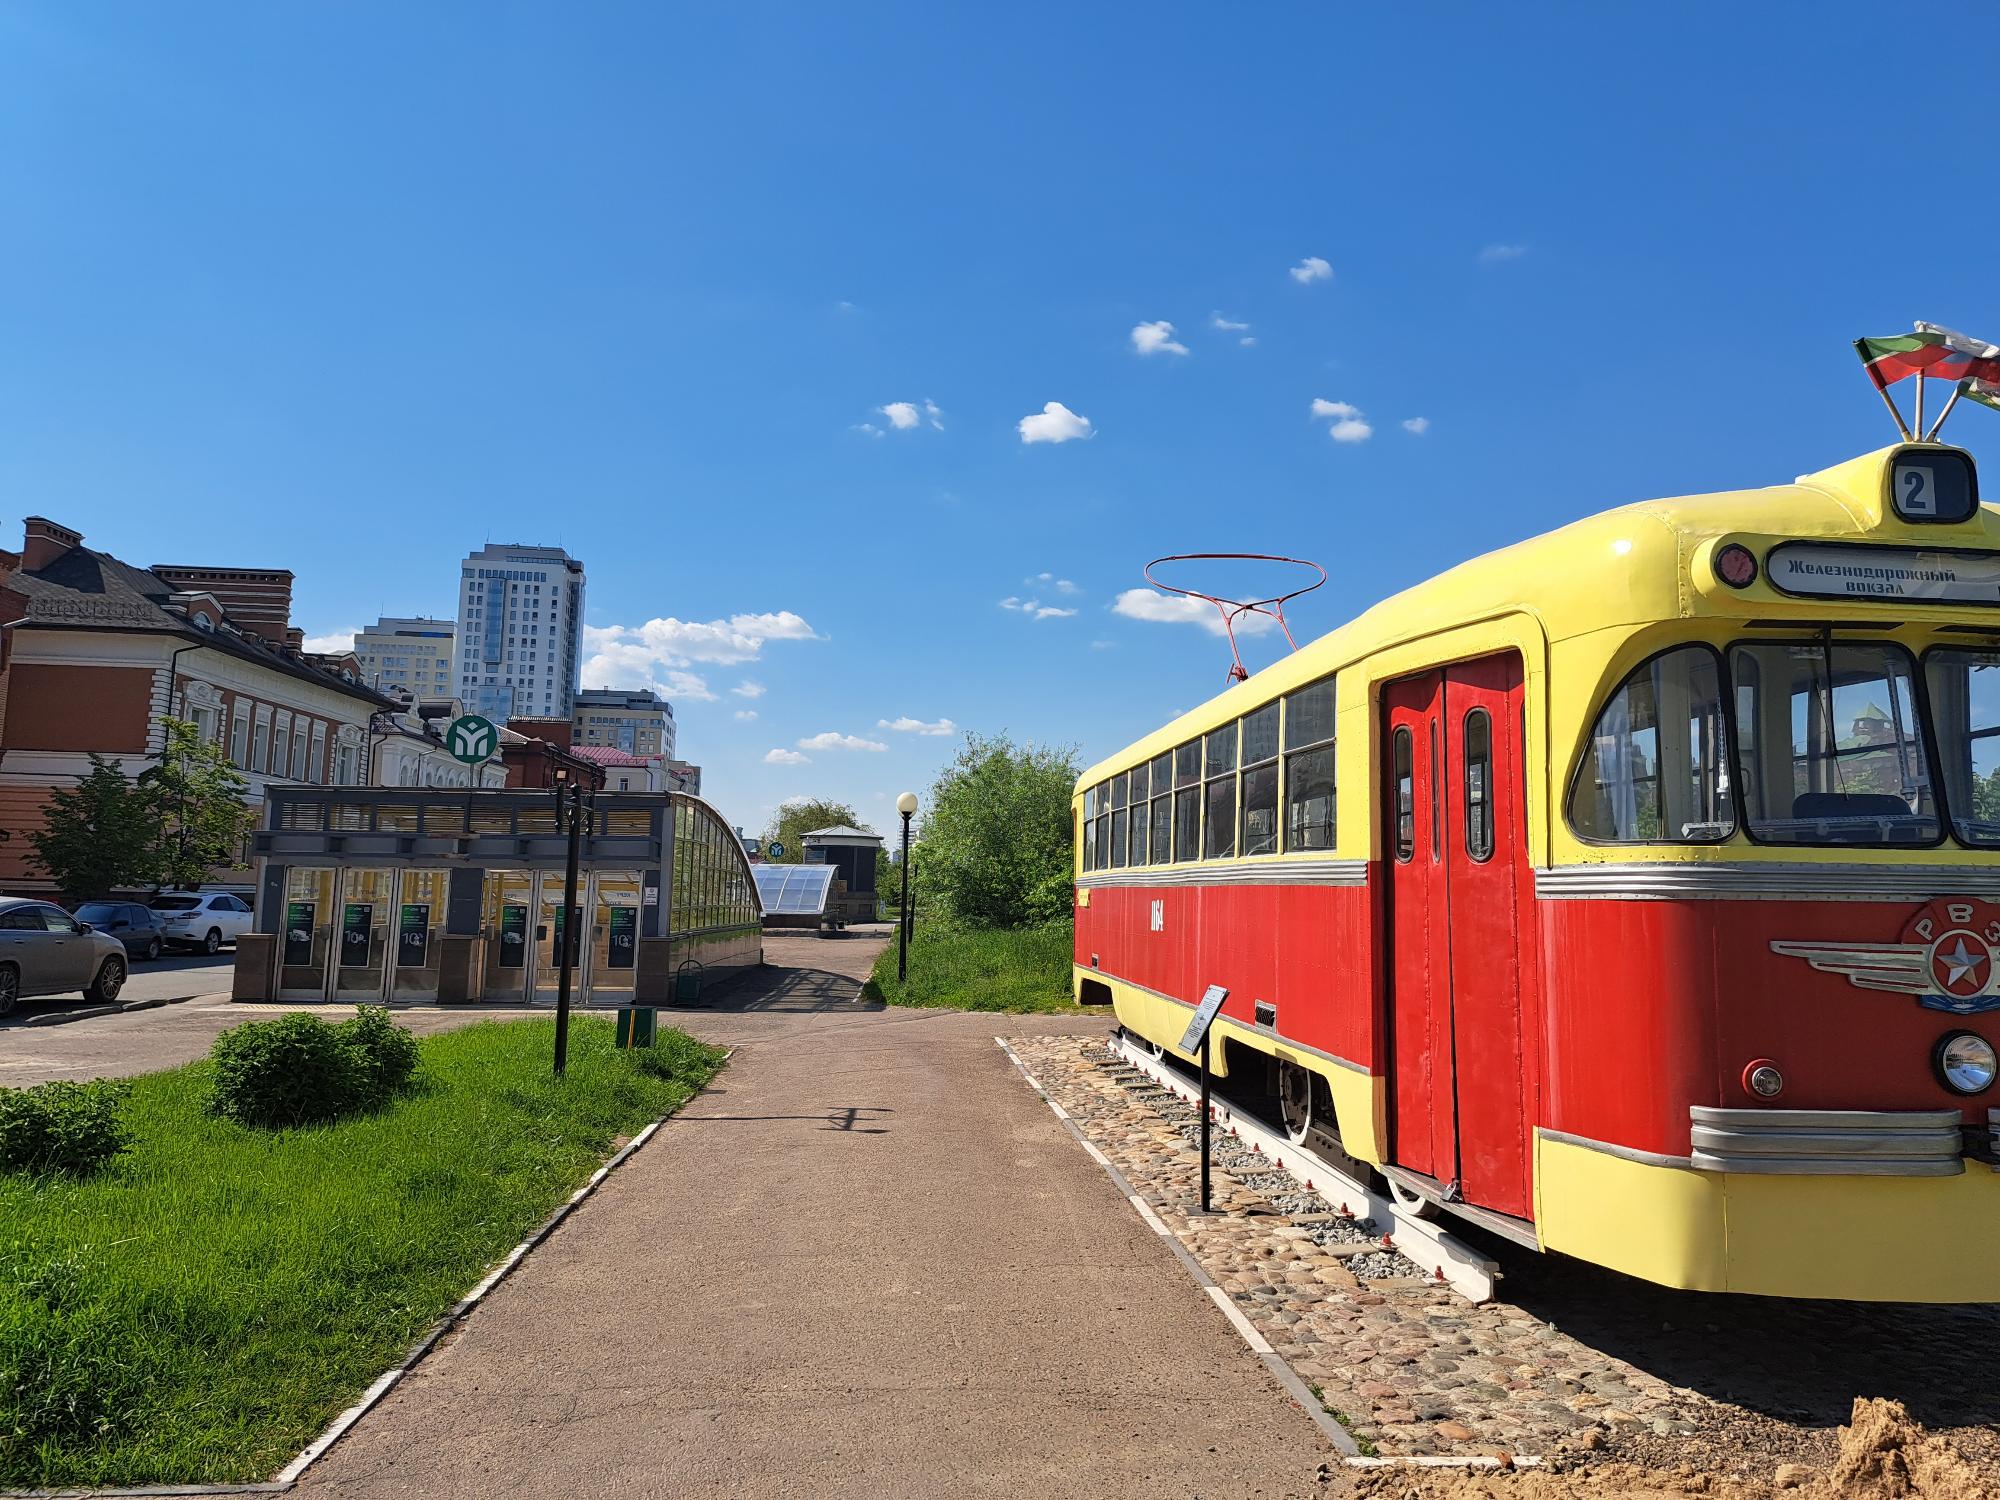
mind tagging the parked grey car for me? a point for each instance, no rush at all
(136, 926)
(46, 951)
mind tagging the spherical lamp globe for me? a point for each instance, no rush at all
(907, 804)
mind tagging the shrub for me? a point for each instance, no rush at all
(61, 1126)
(298, 1070)
(385, 1055)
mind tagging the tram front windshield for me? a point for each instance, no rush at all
(1830, 743)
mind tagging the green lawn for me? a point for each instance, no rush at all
(981, 968)
(200, 1310)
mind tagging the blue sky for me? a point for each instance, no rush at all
(352, 288)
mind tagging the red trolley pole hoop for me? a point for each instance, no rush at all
(1233, 610)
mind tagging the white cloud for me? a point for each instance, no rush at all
(1226, 325)
(832, 740)
(658, 653)
(1418, 425)
(1348, 424)
(748, 689)
(907, 725)
(786, 758)
(1176, 609)
(906, 416)
(1049, 580)
(1493, 255)
(1156, 338)
(1311, 269)
(1034, 609)
(1246, 341)
(932, 415)
(902, 415)
(1103, 645)
(745, 715)
(333, 642)
(870, 428)
(1054, 423)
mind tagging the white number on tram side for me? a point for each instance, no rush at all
(1159, 916)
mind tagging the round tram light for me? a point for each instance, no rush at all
(1763, 1079)
(1965, 1062)
(1736, 565)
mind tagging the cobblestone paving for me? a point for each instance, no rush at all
(1413, 1369)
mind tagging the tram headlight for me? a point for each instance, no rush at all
(1763, 1079)
(1736, 565)
(1965, 1062)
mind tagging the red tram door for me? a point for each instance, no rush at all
(1455, 851)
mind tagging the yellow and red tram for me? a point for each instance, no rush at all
(1634, 890)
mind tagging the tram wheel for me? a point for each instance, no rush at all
(1295, 1100)
(1411, 1202)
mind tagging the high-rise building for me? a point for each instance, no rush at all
(520, 632)
(638, 722)
(408, 658)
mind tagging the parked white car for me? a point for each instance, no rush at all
(201, 919)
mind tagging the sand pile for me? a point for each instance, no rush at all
(1883, 1455)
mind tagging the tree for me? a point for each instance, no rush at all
(997, 840)
(198, 797)
(794, 819)
(99, 835)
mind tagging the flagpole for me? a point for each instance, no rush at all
(1883, 391)
(1950, 401)
(1918, 420)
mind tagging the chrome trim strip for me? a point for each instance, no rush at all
(1235, 872)
(1268, 1031)
(1715, 880)
(1623, 1153)
(1828, 1142)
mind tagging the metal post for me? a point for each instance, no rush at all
(1950, 401)
(903, 911)
(1204, 1122)
(573, 795)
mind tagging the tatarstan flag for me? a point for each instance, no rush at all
(1931, 353)
(1985, 392)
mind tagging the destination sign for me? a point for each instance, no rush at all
(1922, 575)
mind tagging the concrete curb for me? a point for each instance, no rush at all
(1289, 1378)
(1286, 1376)
(90, 1012)
(288, 1476)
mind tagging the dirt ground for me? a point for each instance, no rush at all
(1882, 1455)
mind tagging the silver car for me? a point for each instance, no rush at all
(46, 951)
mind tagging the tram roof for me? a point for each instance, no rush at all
(1635, 564)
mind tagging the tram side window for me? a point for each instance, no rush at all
(1309, 809)
(1965, 717)
(1136, 839)
(1090, 829)
(1260, 781)
(1831, 744)
(1406, 796)
(1117, 822)
(1104, 826)
(1219, 767)
(1656, 770)
(1163, 809)
(1479, 785)
(1187, 801)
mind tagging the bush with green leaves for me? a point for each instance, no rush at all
(384, 1055)
(299, 1070)
(72, 1128)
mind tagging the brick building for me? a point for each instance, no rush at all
(95, 653)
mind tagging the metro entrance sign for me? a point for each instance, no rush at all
(472, 739)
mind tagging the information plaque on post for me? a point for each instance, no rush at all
(1197, 1037)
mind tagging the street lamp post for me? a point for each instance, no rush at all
(907, 806)
(573, 806)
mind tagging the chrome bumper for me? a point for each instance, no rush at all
(1831, 1142)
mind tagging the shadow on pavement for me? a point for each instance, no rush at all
(797, 991)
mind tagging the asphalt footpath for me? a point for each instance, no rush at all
(868, 1261)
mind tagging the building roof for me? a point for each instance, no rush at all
(842, 831)
(608, 755)
(85, 589)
